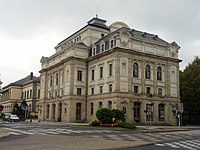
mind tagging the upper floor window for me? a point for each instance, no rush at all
(148, 72)
(79, 91)
(111, 44)
(92, 91)
(94, 50)
(102, 47)
(148, 90)
(101, 89)
(30, 93)
(110, 87)
(110, 69)
(56, 78)
(135, 90)
(79, 75)
(159, 73)
(51, 80)
(92, 74)
(159, 91)
(135, 70)
(101, 72)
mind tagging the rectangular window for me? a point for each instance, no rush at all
(135, 89)
(51, 80)
(110, 69)
(27, 94)
(57, 79)
(39, 93)
(110, 88)
(56, 94)
(110, 104)
(101, 72)
(102, 47)
(101, 89)
(123, 69)
(124, 110)
(79, 75)
(100, 105)
(159, 91)
(93, 75)
(79, 91)
(30, 93)
(49, 95)
(148, 90)
(92, 108)
(111, 44)
(92, 91)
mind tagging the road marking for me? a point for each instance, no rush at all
(160, 144)
(172, 145)
(184, 146)
(186, 142)
(14, 133)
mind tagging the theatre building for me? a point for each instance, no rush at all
(110, 66)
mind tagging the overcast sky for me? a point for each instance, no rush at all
(30, 29)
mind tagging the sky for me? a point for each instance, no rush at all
(30, 29)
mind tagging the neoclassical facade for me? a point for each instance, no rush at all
(110, 66)
(27, 89)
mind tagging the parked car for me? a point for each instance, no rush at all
(13, 118)
(6, 116)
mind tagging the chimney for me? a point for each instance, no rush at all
(31, 76)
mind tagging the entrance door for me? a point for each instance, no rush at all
(78, 111)
(137, 112)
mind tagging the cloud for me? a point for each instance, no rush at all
(30, 29)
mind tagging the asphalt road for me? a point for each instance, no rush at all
(33, 136)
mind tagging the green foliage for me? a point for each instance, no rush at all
(106, 115)
(128, 125)
(118, 115)
(190, 86)
(106, 120)
(95, 123)
(103, 113)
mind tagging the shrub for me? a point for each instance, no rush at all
(106, 120)
(118, 115)
(103, 114)
(95, 123)
(128, 125)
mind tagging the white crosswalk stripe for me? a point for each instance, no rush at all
(189, 144)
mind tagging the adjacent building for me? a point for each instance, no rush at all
(110, 66)
(27, 89)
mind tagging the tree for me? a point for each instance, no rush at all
(190, 86)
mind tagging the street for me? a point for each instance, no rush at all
(26, 135)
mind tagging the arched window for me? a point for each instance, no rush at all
(159, 73)
(148, 72)
(135, 70)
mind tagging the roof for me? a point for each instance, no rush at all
(136, 34)
(96, 22)
(23, 81)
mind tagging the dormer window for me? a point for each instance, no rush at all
(111, 44)
(102, 35)
(102, 47)
(94, 50)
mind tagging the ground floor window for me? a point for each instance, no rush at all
(137, 111)
(161, 112)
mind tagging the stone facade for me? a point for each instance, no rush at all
(27, 89)
(110, 66)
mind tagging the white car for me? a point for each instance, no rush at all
(13, 118)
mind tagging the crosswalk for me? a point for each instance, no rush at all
(102, 134)
(188, 144)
